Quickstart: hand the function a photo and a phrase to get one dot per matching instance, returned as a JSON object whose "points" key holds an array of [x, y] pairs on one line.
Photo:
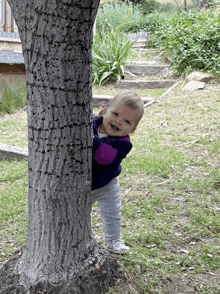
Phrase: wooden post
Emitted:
{"points": [[10, 20], [6, 17], [3, 15]]}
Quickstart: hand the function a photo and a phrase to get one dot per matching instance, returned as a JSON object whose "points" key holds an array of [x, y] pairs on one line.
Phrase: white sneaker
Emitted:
{"points": [[97, 237], [117, 246]]}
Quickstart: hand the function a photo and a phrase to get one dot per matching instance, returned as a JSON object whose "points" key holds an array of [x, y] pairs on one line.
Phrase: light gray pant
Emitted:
{"points": [[109, 203]]}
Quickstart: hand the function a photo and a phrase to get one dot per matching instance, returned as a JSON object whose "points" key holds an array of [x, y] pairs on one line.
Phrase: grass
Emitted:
{"points": [[171, 203], [169, 189], [112, 90], [170, 196], [13, 209], [12, 99], [10, 130]]}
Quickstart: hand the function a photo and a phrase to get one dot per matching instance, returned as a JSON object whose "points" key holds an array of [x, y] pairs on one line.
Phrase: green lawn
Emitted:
{"points": [[170, 195]]}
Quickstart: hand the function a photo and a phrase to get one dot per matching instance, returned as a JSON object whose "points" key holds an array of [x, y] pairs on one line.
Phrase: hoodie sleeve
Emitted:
{"points": [[110, 154]]}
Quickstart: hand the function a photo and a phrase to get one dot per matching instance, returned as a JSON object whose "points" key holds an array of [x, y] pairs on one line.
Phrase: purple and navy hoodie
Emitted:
{"points": [[108, 153]]}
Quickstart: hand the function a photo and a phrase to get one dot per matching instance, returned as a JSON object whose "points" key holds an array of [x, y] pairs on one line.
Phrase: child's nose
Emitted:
{"points": [[119, 121]]}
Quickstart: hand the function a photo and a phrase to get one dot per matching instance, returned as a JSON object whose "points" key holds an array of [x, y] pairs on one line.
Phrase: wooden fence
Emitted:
{"points": [[8, 28]]}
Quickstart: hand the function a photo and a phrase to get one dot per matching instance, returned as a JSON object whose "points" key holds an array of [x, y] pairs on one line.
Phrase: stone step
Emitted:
{"points": [[141, 39], [139, 36], [8, 152], [140, 44], [147, 69], [138, 84]]}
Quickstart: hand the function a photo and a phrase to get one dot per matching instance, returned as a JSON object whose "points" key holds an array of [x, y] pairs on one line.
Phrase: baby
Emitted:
{"points": [[111, 144]]}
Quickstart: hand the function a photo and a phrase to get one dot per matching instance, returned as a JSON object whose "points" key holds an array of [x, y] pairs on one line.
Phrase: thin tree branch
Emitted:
{"points": [[178, 5], [169, 90]]}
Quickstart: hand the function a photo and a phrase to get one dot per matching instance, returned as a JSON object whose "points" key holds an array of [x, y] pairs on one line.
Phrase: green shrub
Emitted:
{"points": [[12, 99], [193, 41], [149, 6], [116, 15], [128, 17], [148, 23], [110, 53]]}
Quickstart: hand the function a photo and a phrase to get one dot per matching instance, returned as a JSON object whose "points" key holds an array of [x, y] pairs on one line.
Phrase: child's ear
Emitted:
{"points": [[133, 130], [103, 112]]}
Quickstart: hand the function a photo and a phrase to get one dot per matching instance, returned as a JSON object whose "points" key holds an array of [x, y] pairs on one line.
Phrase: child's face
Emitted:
{"points": [[119, 121]]}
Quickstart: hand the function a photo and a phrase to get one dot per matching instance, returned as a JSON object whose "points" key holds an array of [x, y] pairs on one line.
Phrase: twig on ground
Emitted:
{"points": [[164, 182], [23, 109], [132, 289], [188, 143], [169, 90], [149, 103]]}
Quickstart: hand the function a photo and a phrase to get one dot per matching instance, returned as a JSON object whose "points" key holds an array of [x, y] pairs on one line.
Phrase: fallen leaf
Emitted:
{"points": [[151, 246], [184, 251], [192, 243], [97, 266]]}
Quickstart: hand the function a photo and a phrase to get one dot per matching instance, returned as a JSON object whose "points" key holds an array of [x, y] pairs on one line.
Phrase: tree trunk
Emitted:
{"points": [[186, 6], [56, 40]]}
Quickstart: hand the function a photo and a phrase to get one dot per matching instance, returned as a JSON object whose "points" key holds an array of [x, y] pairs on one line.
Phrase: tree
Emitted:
{"points": [[60, 256]]}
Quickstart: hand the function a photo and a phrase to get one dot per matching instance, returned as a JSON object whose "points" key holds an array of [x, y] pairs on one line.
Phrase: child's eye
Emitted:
{"points": [[127, 122], [115, 113]]}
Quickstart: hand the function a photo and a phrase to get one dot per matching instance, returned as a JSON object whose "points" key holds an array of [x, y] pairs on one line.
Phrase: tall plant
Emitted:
{"points": [[193, 41], [110, 55], [12, 99], [115, 15]]}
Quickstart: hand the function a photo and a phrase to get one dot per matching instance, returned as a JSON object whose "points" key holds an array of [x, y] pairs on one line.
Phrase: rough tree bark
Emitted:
{"points": [[60, 256]]}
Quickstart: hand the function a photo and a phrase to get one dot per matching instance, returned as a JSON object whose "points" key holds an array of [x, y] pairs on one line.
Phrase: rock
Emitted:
{"points": [[157, 58], [200, 77], [194, 85], [165, 57], [165, 72], [11, 152]]}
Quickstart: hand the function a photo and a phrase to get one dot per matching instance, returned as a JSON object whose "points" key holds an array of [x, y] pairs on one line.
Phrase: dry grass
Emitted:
{"points": [[169, 190], [170, 196]]}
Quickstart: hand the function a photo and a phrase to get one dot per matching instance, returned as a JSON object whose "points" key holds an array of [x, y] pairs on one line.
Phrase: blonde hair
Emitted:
{"points": [[130, 99]]}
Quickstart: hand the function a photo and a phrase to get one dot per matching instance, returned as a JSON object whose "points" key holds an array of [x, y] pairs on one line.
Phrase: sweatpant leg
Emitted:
{"points": [[109, 203]]}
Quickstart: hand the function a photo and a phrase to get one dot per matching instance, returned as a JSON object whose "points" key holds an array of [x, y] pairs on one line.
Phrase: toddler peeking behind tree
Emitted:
{"points": [[111, 144]]}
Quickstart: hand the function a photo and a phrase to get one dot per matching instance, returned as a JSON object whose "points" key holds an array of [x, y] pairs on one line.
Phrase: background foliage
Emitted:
{"points": [[12, 98], [193, 40], [110, 53]]}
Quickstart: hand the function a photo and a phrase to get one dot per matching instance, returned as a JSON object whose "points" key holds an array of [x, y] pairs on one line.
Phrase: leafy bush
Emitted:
{"points": [[193, 41], [13, 99], [110, 53], [149, 23], [128, 17], [116, 15], [149, 6]]}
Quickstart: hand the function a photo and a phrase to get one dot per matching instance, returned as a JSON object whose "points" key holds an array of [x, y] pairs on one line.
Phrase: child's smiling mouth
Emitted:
{"points": [[114, 127]]}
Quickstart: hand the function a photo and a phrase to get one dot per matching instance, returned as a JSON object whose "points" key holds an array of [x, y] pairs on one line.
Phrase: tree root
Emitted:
{"points": [[93, 280]]}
